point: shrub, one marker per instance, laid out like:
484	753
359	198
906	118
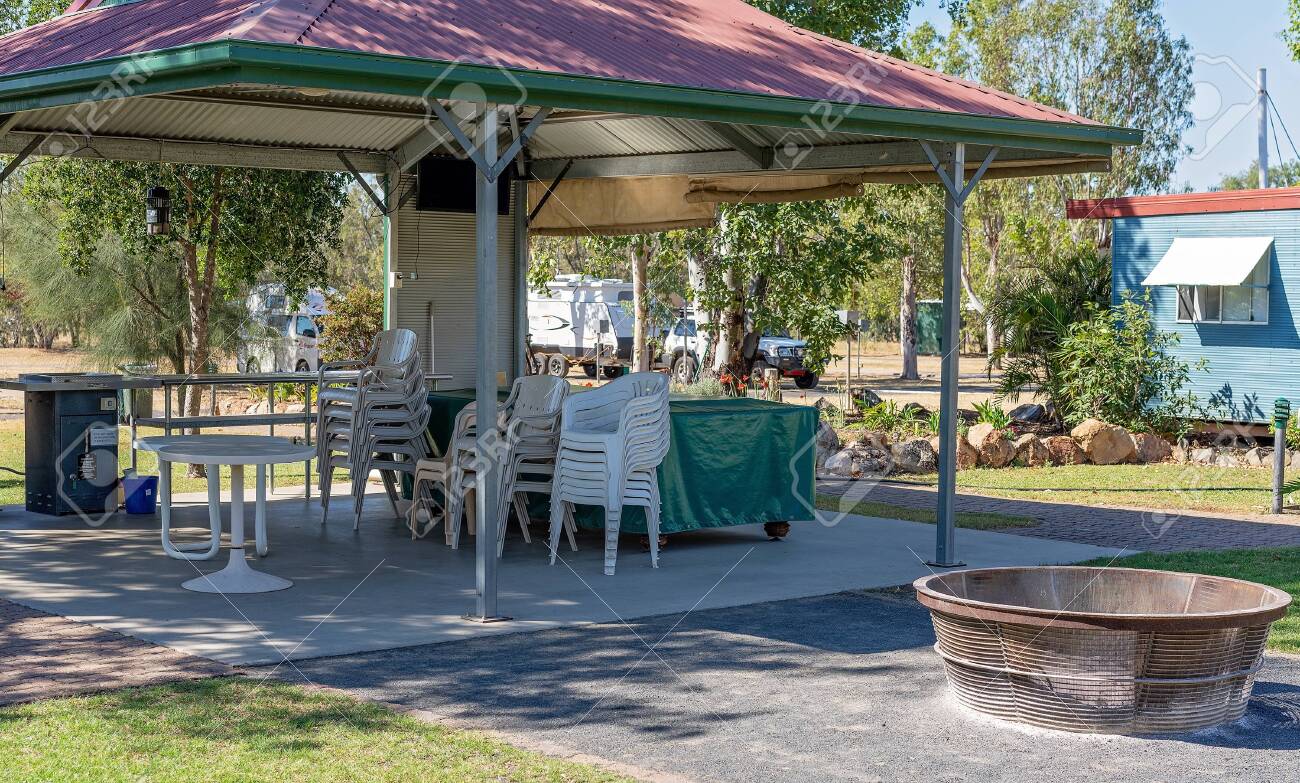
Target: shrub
988	412
350	328
1116	366
894	419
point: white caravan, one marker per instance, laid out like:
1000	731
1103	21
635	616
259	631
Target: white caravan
584	321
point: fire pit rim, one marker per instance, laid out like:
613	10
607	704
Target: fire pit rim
937	600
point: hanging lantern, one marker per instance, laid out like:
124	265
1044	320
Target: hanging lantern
158	211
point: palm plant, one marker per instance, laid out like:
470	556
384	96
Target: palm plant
1034	313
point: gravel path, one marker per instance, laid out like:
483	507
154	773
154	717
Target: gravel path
1138	531
833	689
46	656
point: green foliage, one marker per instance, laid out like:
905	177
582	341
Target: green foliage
1281	175
1034	311
873	24
1292	434
891	418
17	14
1117	367
354	320
792	264
988	412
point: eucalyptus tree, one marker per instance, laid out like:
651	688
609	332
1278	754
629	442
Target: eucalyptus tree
229	227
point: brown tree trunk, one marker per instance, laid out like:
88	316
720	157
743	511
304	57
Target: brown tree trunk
907	336
641	253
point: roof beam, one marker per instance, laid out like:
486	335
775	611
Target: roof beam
205	154
763	157
22	155
421	143
8	121
900	156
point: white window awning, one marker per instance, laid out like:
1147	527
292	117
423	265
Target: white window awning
1228	261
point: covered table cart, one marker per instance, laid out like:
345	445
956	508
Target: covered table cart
619	115
730	462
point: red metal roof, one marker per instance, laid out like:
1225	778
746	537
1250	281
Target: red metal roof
1185	204
713	44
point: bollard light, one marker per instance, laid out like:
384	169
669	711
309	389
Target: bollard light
158	211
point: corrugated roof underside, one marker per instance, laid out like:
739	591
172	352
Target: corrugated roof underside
382	128
723	45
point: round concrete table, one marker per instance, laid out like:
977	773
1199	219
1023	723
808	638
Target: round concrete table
237	451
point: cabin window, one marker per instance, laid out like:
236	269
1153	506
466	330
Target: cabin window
1229	304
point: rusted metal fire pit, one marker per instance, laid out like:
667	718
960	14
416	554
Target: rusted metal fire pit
1114	651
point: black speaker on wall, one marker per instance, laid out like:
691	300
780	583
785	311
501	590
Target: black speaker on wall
447	185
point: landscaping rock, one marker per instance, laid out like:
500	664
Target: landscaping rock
1150	448
1179	455
1202	456
995	450
967	456
1031	452
914	456
827	439
1294	462
867	398
1258	458
1063	450
872	440
917	411
1105	444
1227	459
1031	413
859	460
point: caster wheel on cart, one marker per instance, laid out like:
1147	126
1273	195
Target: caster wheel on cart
777	530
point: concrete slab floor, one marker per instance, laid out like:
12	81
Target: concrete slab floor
378	589
835	689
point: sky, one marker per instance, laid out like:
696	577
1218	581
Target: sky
1230	42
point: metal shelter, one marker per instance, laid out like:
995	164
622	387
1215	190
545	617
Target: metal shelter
617	92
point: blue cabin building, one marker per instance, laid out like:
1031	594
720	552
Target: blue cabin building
1223	272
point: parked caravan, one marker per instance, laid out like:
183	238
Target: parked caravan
584	321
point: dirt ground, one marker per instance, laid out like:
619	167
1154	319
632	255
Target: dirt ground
14	361
876	366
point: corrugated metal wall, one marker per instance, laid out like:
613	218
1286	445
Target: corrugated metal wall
439	248
1249	366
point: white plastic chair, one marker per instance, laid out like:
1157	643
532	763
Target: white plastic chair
611	443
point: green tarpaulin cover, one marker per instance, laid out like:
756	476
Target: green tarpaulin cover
730	462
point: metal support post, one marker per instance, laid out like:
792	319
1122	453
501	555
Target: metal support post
956	192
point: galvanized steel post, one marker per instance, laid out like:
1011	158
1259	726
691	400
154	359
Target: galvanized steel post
485	550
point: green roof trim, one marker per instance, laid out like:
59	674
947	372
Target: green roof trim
217	63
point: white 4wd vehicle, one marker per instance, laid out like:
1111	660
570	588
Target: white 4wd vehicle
683	345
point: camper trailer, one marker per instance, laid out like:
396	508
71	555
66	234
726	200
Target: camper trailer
584	321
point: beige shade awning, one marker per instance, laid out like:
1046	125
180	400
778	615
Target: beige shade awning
1227	261
614	207
774	189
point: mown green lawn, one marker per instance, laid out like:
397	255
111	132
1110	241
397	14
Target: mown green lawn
1278	568
975	520
1179	487
245	730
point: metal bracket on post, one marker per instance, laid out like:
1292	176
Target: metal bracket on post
20	157
360	180
957	191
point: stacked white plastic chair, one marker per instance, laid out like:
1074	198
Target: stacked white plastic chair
531	420
389	378
611	442
528	432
